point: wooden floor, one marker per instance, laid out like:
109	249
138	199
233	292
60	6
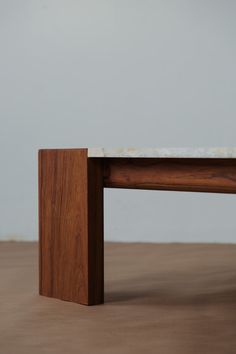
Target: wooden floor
174	299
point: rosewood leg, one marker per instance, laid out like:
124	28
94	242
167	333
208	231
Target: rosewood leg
71	226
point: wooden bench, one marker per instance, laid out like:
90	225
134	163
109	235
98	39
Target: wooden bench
71	183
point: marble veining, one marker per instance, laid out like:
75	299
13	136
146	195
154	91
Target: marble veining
222	152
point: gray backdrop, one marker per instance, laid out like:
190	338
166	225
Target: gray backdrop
117	73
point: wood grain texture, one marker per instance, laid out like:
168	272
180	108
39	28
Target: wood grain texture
195	175
71	226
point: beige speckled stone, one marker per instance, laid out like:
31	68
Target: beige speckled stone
223	152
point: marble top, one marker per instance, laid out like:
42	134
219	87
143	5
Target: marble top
223	152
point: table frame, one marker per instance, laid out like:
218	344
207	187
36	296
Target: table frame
71	231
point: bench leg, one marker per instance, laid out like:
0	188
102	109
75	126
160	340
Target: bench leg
71	255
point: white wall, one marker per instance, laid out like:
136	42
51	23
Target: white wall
117	73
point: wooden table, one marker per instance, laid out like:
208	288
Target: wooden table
71	183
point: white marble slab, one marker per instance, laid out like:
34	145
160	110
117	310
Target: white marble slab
223	152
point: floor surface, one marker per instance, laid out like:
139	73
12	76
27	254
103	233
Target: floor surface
175	299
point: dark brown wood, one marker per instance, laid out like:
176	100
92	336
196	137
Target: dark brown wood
71	255
95	231
71	226
194	175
